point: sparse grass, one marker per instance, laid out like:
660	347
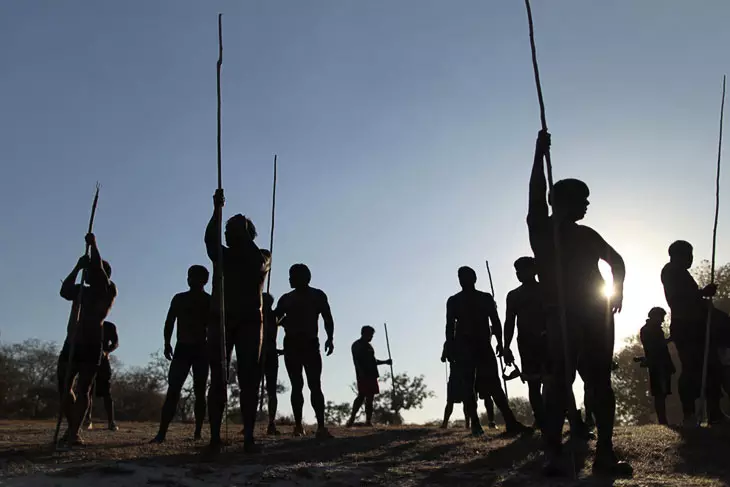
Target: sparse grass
408	455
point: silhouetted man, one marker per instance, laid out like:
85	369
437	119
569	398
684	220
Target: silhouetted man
244	269
689	308
468	335
270	361
102	384
300	310
658	361
454	392
525	310
191	311
366	371
589	316
96	301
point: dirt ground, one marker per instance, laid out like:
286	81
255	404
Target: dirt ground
403	456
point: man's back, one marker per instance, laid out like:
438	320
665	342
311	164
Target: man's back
471	311
245	270
526	301
192	309
96	303
302	308
681	292
110	337
655	346
363	356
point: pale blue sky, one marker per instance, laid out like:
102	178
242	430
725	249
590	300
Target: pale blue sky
404	130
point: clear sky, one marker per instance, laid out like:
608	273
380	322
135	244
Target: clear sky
405	132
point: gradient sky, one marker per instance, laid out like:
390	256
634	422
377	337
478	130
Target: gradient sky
405	132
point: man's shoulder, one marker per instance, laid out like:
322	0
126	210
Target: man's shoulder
318	293
110	325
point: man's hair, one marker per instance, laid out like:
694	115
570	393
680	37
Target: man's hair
301	273
198	271
525	263
467	275
107	268
242	222
680	247
569	191
657	313
367	328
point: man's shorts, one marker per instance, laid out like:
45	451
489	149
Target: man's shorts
368	387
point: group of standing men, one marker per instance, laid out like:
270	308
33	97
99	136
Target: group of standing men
565	326
251	326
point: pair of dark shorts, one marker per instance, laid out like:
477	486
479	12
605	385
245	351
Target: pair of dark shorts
368	386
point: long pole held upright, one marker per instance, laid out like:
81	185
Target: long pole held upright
392	375
556	234
501	363
73	321
268	284
219	221
703	395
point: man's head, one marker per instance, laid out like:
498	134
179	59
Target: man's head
657	314
197	277
525	269
299	276
680	252
569	199
239	229
467	277
367	332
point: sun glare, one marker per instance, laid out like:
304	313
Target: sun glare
608	290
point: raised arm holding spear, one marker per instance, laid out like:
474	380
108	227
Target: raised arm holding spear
73	325
239	271
580	325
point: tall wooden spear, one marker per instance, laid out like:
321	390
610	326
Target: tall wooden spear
556	234
219	223
73	326
501	363
392	375
268	283
703	395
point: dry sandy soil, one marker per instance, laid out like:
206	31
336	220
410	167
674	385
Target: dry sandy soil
407	456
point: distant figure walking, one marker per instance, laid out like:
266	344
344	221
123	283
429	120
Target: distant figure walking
299	311
191	311
366	371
